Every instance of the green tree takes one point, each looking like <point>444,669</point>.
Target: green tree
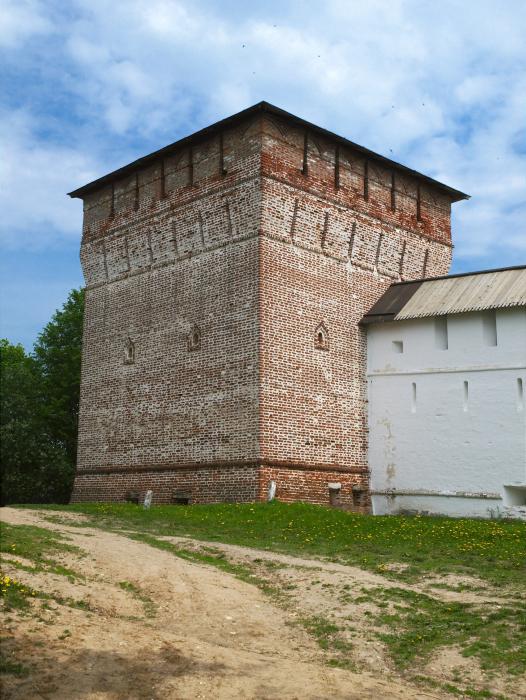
<point>39,410</point>
<point>35,469</point>
<point>58,354</point>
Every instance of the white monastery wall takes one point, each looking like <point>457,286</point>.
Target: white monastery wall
<point>448,424</point>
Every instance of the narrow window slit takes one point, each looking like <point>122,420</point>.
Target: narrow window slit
<point>465,392</point>
<point>136,201</point>
<point>222,169</point>
<point>305,167</point>
<point>163,181</point>
<point>337,168</point>
<point>402,258</point>
<point>321,339</point>
<point>378,250</point>
<point>149,246</point>
<point>325,230</point>
<point>105,259</point>
<point>520,394</point>
<point>129,352</point>
<point>351,242</point>
<point>413,397</point>
<point>293,222</point>
<point>193,339</point>
<point>424,268</point>
<point>191,166</point>
<point>202,227</point>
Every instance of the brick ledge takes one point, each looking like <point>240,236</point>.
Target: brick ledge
<point>233,464</point>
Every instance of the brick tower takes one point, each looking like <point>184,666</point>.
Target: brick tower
<point>225,278</point>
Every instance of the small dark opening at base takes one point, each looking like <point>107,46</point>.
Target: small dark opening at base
<point>334,497</point>
<point>359,495</point>
<point>132,497</point>
<point>181,499</point>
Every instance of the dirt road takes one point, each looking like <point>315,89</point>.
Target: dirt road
<point>157,626</point>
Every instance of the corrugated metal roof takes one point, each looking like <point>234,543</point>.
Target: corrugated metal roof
<point>453,295</point>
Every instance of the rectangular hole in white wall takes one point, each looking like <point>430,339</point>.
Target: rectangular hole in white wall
<point>413,397</point>
<point>520,394</point>
<point>441,339</point>
<point>398,346</point>
<point>465,395</point>
<point>489,328</point>
<point>515,495</point>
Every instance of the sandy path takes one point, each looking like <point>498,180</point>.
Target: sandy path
<point>213,636</point>
<point>334,571</point>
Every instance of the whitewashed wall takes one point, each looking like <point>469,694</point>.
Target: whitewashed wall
<point>435,443</point>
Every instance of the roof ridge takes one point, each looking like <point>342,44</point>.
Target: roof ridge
<point>417,299</point>
<point>461,274</point>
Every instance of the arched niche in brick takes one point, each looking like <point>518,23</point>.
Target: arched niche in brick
<point>129,351</point>
<point>321,337</point>
<point>194,338</point>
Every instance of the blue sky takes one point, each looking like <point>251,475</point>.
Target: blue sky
<point>90,86</point>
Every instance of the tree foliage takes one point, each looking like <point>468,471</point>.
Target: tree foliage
<point>58,354</point>
<point>39,410</point>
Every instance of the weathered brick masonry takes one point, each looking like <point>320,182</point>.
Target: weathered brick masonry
<point>226,276</point>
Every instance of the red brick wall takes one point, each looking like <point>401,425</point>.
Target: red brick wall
<point>326,255</point>
<point>312,486</point>
<point>156,270</point>
<point>225,483</point>
<point>253,253</point>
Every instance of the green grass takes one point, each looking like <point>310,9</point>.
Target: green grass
<point>38,545</point>
<point>465,692</point>
<point>150,608</point>
<point>12,667</point>
<point>419,624</point>
<point>329,638</point>
<point>322,629</point>
<point>494,550</point>
<point>14,594</point>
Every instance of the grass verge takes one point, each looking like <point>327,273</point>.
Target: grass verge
<point>488,549</point>
<point>419,624</point>
<point>37,545</point>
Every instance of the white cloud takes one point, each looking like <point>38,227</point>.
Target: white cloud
<point>438,86</point>
<point>34,179</point>
<point>21,20</point>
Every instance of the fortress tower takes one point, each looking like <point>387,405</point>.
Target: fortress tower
<point>225,278</point>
